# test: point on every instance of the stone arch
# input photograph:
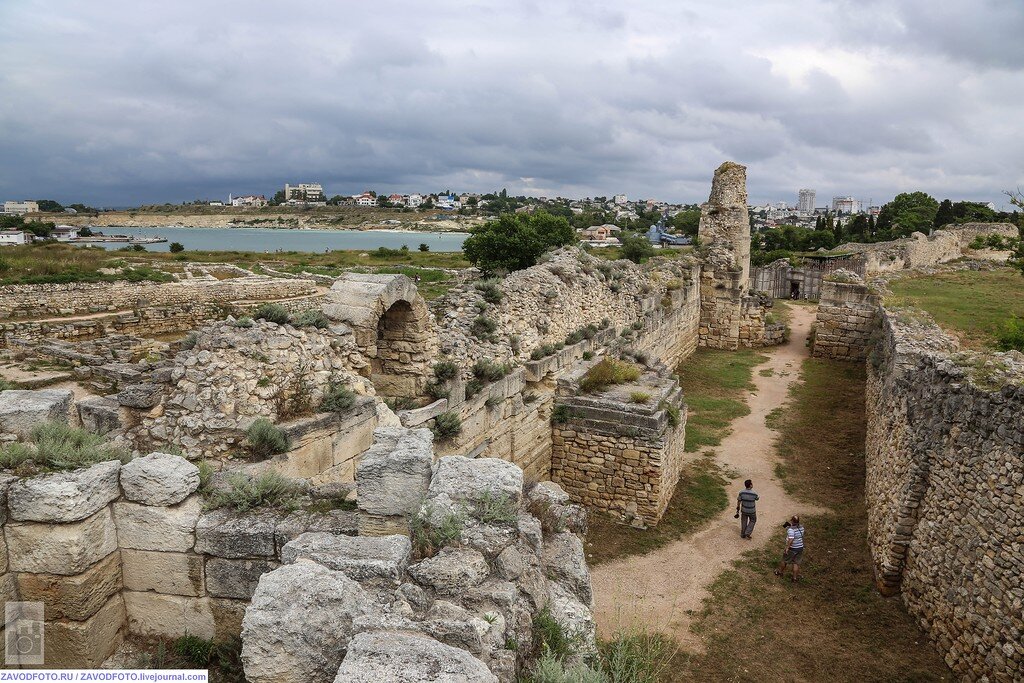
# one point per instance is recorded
(392, 328)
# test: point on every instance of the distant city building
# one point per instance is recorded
(13, 237)
(365, 199)
(396, 199)
(805, 202)
(64, 233)
(446, 201)
(414, 200)
(620, 199)
(21, 207)
(304, 192)
(250, 200)
(846, 205)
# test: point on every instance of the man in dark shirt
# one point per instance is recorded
(746, 505)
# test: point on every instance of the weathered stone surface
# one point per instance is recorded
(99, 414)
(227, 617)
(142, 395)
(565, 563)
(490, 539)
(338, 522)
(394, 474)
(548, 492)
(64, 549)
(64, 496)
(575, 617)
(171, 573)
(145, 527)
(159, 479)
(5, 484)
(451, 569)
(383, 656)
(85, 644)
(363, 558)
(235, 578)
(169, 616)
(21, 409)
(299, 624)
(465, 480)
(73, 597)
(234, 535)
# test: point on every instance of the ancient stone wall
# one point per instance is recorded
(84, 298)
(846, 318)
(920, 250)
(945, 491)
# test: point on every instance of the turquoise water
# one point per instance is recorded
(270, 240)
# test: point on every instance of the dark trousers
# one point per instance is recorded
(747, 523)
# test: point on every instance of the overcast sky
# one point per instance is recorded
(118, 102)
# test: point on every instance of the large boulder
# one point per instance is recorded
(394, 474)
(64, 496)
(385, 657)
(575, 618)
(566, 564)
(141, 395)
(299, 624)
(465, 480)
(159, 479)
(99, 414)
(451, 570)
(21, 410)
(363, 558)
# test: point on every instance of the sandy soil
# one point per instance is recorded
(665, 589)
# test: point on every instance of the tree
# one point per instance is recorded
(277, 199)
(177, 247)
(49, 206)
(636, 248)
(944, 215)
(687, 222)
(908, 212)
(973, 212)
(516, 241)
(424, 246)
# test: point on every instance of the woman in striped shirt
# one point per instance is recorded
(794, 548)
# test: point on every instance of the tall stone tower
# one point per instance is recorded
(725, 220)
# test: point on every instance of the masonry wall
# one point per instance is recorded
(845, 322)
(945, 492)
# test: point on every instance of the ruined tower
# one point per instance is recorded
(724, 219)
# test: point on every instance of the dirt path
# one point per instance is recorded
(663, 590)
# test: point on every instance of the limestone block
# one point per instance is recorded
(145, 527)
(64, 549)
(299, 624)
(3, 554)
(85, 644)
(141, 395)
(451, 569)
(73, 597)
(169, 616)
(64, 496)
(548, 492)
(8, 588)
(363, 558)
(99, 414)
(394, 474)
(464, 479)
(235, 578)
(378, 656)
(565, 563)
(230, 534)
(341, 522)
(5, 484)
(159, 479)
(227, 617)
(162, 572)
(574, 616)
(21, 410)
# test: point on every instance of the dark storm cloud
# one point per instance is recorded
(125, 102)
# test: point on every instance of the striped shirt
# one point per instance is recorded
(797, 534)
(747, 498)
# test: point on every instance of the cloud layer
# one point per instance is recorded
(126, 102)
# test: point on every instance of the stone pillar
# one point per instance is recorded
(724, 219)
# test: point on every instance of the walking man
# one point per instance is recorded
(794, 548)
(746, 504)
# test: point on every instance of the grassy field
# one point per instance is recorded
(970, 304)
(714, 383)
(833, 625)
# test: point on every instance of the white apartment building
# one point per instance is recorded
(250, 200)
(413, 200)
(846, 205)
(19, 208)
(304, 192)
(805, 201)
(64, 233)
(365, 199)
(620, 199)
(13, 237)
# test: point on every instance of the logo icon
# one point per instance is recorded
(24, 625)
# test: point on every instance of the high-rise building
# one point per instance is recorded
(304, 192)
(845, 205)
(806, 201)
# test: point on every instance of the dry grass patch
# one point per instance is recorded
(714, 386)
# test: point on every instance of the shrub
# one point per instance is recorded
(188, 342)
(56, 446)
(587, 355)
(424, 246)
(177, 247)
(550, 638)
(428, 538)
(483, 327)
(488, 371)
(1010, 335)
(244, 321)
(265, 439)
(636, 248)
(561, 414)
(6, 384)
(639, 397)
(673, 285)
(674, 415)
(543, 351)
(473, 387)
(437, 391)
(551, 669)
(490, 291)
(447, 425)
(311, 318)
(245, 492)
(272, 313)
(446, 370)
(337, 399)
(400, 403)
(495, 508)
(607, 373)
(480, 306)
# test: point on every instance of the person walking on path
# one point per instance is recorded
(794, 548)
(746, 505)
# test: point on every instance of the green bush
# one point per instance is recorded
(551, 669)
(473, 387)
(549, 638)
(446, 370)
(428, 538)
(561, 414)
(246, 492)
(177, 247)
(543, 351)
(437, 391)
(490, 291)
(188, 342)
(337, 399)
(487, 370)
(483, 327)
(272, 313)
(1010, 335)
(495, 508)
(636, 248)
(447, 426)
(244, 321)
(265, 439)
(311, 318)
(424, 246)
(6, 384)
(606, 373)
(56, 446)
(639, 397)
(637, 656)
